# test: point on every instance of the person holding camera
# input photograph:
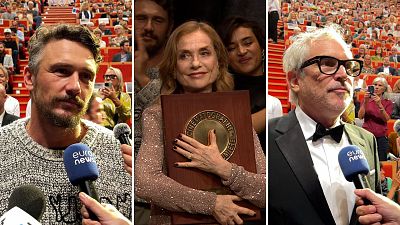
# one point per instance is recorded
(376, 111)
(117, 104)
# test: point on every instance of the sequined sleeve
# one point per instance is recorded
(152, 184)
(248, 185)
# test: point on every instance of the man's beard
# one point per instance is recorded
(153, 49)
(45, 110)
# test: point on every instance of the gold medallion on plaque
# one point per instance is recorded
(200, 124)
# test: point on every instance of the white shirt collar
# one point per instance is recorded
(307, 124)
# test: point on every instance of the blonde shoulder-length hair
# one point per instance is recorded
(168, 70)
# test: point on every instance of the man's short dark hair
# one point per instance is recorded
(123, 43)
(71, 32)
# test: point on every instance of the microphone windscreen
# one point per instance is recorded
(30, 199)
(352, 161)
(80, 164)
(120, 129)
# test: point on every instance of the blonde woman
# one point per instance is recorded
(117, 104)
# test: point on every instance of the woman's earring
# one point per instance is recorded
(263, 55)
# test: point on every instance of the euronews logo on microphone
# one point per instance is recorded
(83, 156)
(355, 154)
(80, 163)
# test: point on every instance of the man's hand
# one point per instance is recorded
(382, 211)
(107, 214)
(127, 155)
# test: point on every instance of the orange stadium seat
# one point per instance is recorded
(101, 71)
(126, 69)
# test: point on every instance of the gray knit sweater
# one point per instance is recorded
(23, 161)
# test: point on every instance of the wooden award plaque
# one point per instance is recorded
(194, 115)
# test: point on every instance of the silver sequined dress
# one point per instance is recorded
(152, 184)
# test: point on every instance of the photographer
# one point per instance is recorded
(117, 104)
(376, 111)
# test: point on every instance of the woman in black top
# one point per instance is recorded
(245, 43)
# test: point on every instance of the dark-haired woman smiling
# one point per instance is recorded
(245, 43)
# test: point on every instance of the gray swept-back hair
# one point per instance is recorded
(299, 50)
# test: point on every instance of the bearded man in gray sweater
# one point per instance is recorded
(62, 69)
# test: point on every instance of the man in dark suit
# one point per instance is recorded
(125, 54)
(386, 68)
(5, 118)
(306, 184)
(394, 57)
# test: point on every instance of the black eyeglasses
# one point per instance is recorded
(110, 76)
(330, 65)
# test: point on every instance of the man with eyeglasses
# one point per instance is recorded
(306, 184)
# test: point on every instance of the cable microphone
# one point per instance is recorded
(122, 132)
(81, 167)
(26, 205)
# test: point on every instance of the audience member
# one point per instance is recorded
(85, 13)
(98, 34)
(120, 17)
(319, 67)
(394, 57)
(386, 182)
(120, 36)
(8, 14)
(6, 59)
(5, 118)
(394, 140)
(386, 68)
(314, 21)
(15, 28)
(367, 67)
(61, 86)
(12, 104)
(37, 19)
(362, 51)
(95, 8)
(10, 42)
(203, 50)
(274, 8)
(95, 109)
(378, 56)
(125, 54)
(396, 87)
(376, 111)
(102, 27)
(274, 107)
(107, 13)
(116, 103)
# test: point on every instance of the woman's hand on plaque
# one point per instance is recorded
(205, 157)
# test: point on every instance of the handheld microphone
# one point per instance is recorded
(26, 205)
(355, 167)
(122, 132)
(81, 167)
(17, 216)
